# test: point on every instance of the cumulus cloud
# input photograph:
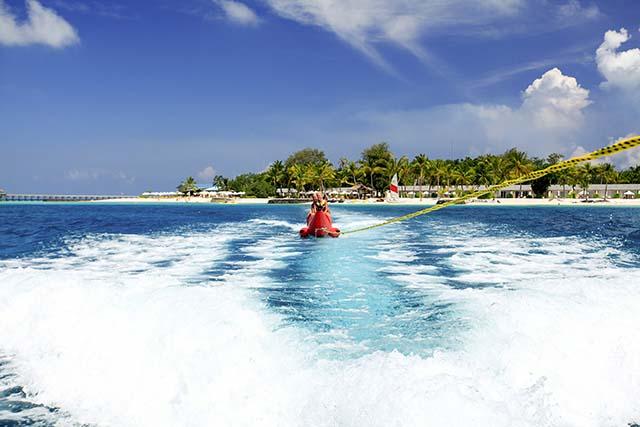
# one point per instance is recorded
(555, 100)
(365, 23)
(549, 119)
(238, 12)
(42, 26)
(620, 69)
(207, 173)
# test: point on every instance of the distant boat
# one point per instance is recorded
(392, 194)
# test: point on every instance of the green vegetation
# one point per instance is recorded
(253, 185)
(188, 187)
(308, 156)
(309, 169)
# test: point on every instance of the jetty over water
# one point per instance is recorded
(8, 197)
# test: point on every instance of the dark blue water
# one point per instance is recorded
(420, 288)
(26, 228)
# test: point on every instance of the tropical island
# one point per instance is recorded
(420, 178)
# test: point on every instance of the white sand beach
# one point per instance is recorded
(401, 201)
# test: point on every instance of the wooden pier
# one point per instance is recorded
(8, 197)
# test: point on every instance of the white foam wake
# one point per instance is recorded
(114, 335)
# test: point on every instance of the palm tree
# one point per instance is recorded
(584, 176)
(574, 178)
(446, 173)
(563, 178)
(188, 186)
(498, 169)
(485, 175)
(395, 166)
(607, 173)
(404, 171)
(492, 170)
(299, 177)
(352, 170)
(440, 172)
(276, 172)
(464, 176)
(372, 168)
(342, 176)
(420, 166)
(324, 172)
(519, 164)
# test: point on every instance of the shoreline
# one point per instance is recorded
(374, 202)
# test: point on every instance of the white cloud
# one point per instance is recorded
(621, 69)
(75, 175)
(549, 119)
(96, 174)
(362, 23)
(573, 10)
(207, 173)
(626, 159)
(93, 7)
(42, 26)
(238, 12)
(365, 23)
(555, 100)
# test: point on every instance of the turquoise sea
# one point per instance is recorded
(208, 315)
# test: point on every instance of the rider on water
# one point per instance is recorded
(319, 203)
(319, 222)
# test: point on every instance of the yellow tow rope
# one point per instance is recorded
(618, 147)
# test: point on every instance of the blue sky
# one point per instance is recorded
(122, 97)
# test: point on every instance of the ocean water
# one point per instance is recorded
(194, 315)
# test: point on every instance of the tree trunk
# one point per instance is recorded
(375, 192)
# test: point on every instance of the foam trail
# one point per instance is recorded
(118, 343)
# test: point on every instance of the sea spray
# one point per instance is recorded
(189, 328)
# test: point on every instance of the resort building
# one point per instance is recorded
(3, 194)
(211, 192)
(594, 191)
(622, 191)
(358, 191)
(160, 194)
